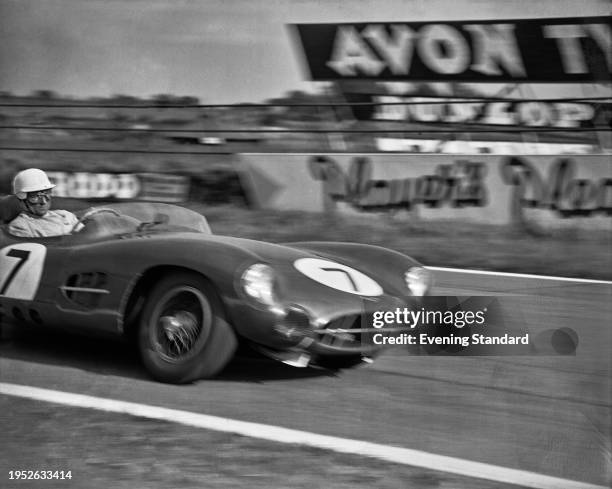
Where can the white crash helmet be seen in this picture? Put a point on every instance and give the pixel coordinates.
(30, 180)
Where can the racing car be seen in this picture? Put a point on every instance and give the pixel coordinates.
(156, 273)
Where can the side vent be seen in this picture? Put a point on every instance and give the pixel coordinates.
(85, 289)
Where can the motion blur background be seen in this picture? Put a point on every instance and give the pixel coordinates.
(498, 125)
(159, 100)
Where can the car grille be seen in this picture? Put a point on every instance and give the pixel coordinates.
(346, 333)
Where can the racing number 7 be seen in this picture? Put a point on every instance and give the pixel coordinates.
(346, 274)
(22, 255)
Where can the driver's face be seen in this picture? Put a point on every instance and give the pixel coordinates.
(39, 203)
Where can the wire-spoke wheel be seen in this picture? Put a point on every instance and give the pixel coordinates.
(183, 318)
(183, 335)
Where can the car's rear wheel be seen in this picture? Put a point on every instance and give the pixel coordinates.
(183, 335)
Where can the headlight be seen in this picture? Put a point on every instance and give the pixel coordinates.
(418, 280)
(258, 281)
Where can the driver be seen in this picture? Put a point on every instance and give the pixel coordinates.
(33, 189)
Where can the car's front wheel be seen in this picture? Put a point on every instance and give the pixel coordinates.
(183, 335)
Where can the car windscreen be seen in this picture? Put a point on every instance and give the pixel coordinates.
(142, 215)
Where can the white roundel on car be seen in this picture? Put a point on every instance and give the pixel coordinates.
(338, 276)
(21, 267)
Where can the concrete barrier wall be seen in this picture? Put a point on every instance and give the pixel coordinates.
(568, 191)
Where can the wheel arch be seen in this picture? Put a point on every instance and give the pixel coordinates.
(208, 354)
(136, 295)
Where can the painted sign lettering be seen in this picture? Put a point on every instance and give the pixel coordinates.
(529, 50)
(95, 185)
(460, 184)
(119, 186)
(525, 114)
(560, 190)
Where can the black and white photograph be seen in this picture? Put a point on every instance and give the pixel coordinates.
(297, 244)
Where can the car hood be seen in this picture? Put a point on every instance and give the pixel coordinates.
(318, 280)
(316, 289)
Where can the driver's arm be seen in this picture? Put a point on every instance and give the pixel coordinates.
(72, 221)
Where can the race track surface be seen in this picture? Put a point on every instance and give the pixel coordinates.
(549, 414)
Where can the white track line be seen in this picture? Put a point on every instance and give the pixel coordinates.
(387, 453)
(521, 275)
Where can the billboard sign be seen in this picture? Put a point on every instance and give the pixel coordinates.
(520, 50)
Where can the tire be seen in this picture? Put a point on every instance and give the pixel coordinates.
(183, 335)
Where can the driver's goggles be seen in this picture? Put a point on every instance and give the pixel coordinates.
(39, 197)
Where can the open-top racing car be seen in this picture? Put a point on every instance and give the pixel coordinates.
(156, 273)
